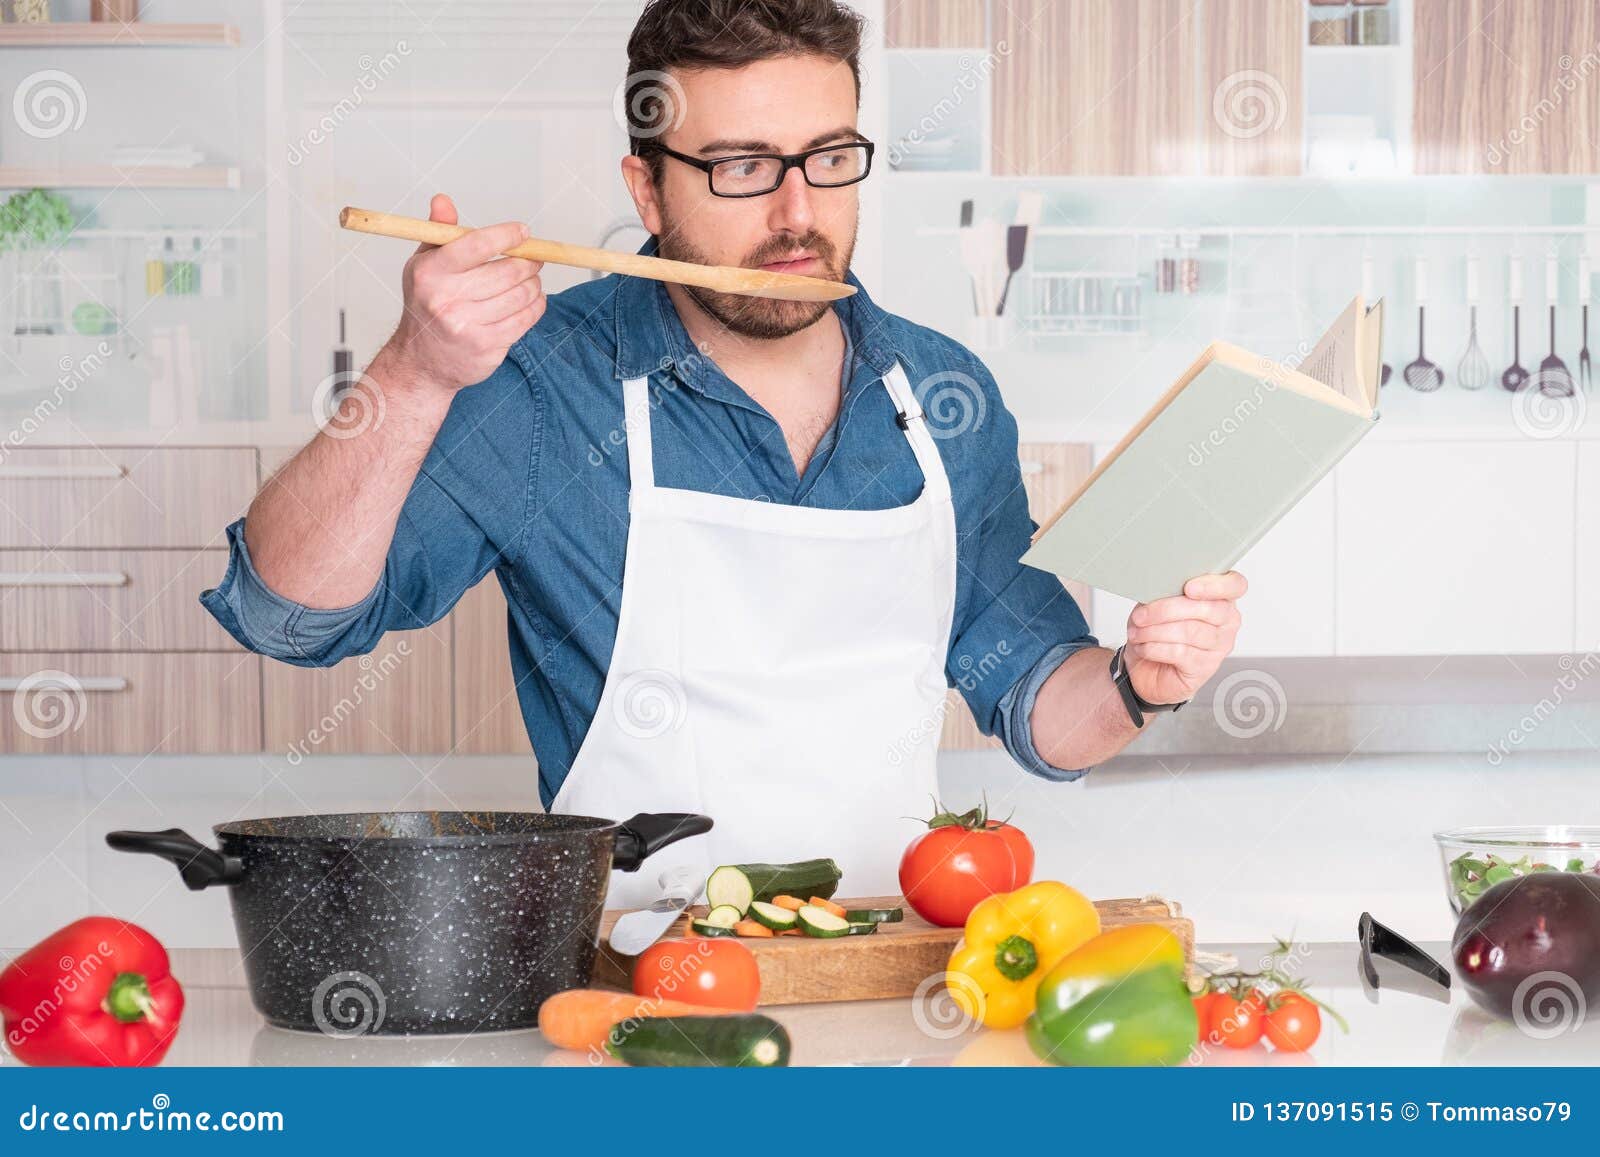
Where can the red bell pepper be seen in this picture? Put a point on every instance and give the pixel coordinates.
(97, 992)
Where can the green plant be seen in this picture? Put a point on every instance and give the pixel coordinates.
(34, 217)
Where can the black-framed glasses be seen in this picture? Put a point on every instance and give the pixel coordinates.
(757, 174)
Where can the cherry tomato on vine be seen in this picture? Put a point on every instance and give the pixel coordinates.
(1292, 1022)
(1238, 1023)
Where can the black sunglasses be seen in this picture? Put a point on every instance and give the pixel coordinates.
(757, 174)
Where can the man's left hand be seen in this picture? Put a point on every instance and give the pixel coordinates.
(1176, 644)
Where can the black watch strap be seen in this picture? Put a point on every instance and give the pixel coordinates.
(1137, 707)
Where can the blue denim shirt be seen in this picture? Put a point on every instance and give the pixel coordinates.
(528, 478)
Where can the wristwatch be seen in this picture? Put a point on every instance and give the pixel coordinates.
(1137, 707)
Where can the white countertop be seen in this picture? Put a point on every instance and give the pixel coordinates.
(1390, 1027)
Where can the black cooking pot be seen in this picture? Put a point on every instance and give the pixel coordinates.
(414, 922)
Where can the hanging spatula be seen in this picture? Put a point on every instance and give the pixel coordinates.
(722, 278)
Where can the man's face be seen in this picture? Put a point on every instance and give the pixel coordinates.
(785, 105)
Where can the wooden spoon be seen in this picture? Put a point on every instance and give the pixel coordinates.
(723, 278)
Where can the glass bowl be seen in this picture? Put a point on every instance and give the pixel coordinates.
(1476, 859)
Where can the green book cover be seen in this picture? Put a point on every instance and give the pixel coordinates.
(1226, 453)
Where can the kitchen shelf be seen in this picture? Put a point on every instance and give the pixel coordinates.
(118, 177)
(111, 34)
(1577, 230)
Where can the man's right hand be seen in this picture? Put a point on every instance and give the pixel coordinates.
(464, 306)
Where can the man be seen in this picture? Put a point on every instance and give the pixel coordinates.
(742, 564)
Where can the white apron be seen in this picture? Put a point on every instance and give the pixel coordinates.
(777, 668)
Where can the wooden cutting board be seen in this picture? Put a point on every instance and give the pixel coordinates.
(890, 963)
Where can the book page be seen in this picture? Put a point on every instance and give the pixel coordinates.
(1336, 361)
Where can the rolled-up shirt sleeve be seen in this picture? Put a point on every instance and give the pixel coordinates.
(1014, 624)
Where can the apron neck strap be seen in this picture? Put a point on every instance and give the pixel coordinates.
(636, 425)
(910, 419)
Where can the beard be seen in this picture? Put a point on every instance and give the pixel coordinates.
(761, 317)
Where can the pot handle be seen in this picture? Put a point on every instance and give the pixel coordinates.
(648, 832)
(199, 865)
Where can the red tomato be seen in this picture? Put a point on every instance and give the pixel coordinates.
(1237, 1023)
(1021, 851)
(1207, 1010)
(1292, 1022)
(717, 973)
(947, 870)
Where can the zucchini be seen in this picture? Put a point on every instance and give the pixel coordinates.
(743, 884)
(724, 915)
(774, 917)
(739, 1040)
(816, 921)
(707, 928)
(863, 928)
(728, 886)
(875, 915)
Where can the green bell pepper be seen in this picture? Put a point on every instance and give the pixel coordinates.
(1119, 999)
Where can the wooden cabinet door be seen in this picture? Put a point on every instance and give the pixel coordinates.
(1456, 548)
(934, 24)
(1050, 473)
(1103, 87)
(394, 701)
(1503, 88)
(488, 719)
(1250, 87)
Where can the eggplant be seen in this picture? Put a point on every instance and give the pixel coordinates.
(1528, 949)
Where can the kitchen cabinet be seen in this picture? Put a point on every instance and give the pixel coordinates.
(1496, 89)
(934, 24)
(488, 719)
(1456, 548)
(63, 703)
(1050, 473)
(129, 496)
(1104, 87)
(109, 600)
(1250, 87)
(396, 700)
(1588, 548)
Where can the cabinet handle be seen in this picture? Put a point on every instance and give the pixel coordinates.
(71, 578)
(1031, 466)
(87, 683)
(62, 473)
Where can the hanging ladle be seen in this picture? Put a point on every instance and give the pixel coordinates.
(1422, 375)
(1515, 377)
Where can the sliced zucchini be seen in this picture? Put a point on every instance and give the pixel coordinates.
(741, 1040)
(816, 921)
(728, 885)
(707, 928)
(875, 915)
(863, 928)
(774, 917)
(725, 915)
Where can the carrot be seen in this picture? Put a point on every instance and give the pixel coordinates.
(582, 1018)
(827, 906)
(793, 903)
(751, 928)
(791, 932)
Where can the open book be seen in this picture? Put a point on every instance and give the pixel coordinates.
(1221, 457)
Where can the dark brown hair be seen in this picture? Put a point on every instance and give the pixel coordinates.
(691, 34)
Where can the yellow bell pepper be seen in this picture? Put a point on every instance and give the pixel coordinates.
(1010, 941)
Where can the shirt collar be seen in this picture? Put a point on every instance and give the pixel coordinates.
(651, 337)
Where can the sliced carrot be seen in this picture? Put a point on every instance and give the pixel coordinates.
(582, 1018)
(827, 906)
(751, 928)
(793, 903)
(791, 932)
